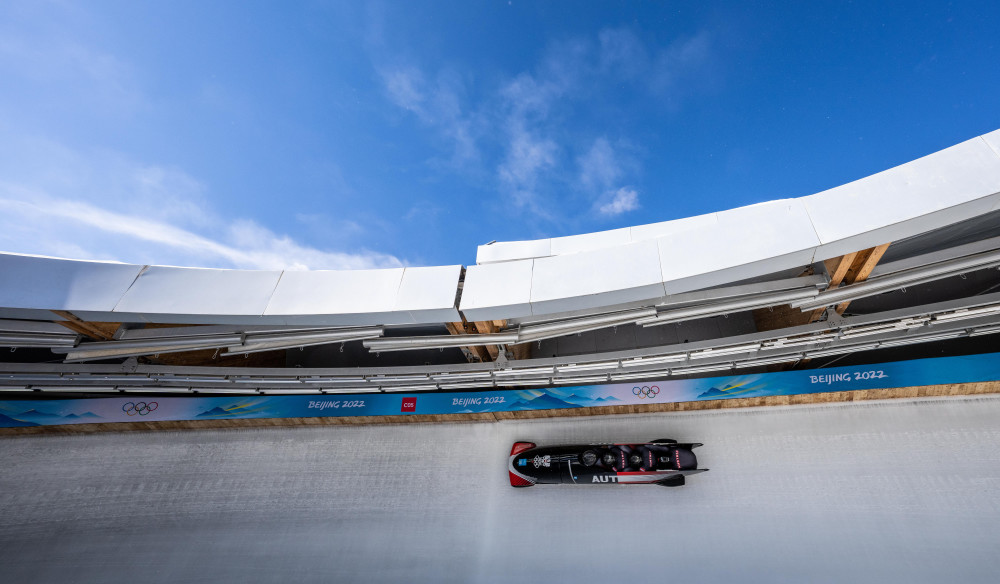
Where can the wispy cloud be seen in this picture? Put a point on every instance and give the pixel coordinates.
(622, 53)
(687, 59)
(527, 157)
(531, 170)
(55, 65)
(405, 87)
(541, 160)
(56, 200)
(621, 201)
(35, 222)
(601, 171)
(437, 104)
(599, 166)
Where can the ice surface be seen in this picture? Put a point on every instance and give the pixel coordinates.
(895, 491)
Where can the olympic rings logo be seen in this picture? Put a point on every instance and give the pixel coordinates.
(139, 408)
(649, 391)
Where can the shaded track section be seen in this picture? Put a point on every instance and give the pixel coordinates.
(901, 490)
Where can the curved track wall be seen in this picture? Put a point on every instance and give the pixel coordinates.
(902, 490)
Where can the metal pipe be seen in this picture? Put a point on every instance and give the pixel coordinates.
(289, 344)
(505, 373)
(701, 297)
(889, 282)
(150, 334)
(526, 334)
(146, 347)
(701, 369)
(533, 336)
(760, 301)
(571, 325)
(82, 355)
(334, 335)
(31, 345)
(8, 339)
(33, 326)
(438, 342)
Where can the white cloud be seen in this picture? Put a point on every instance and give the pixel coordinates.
(405, 88)
(621, 201)
(527, 157)
(49, 64)
(599, 166)
(686, 57)
(622, 53)
(531, 160)
(105, 179)
(176, 195)
(527, 96)
(526, 121)
(437, 104)
(34, 222)
(58, 201)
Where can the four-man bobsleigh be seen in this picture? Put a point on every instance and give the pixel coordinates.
(661, 462)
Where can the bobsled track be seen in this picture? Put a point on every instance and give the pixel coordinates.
(886, 491)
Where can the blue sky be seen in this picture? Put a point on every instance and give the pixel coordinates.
(353, 135)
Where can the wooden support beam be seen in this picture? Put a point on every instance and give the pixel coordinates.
(514, 352)
(846, 269)
(485, 327)
(861, 267)
(838, 268)
(521, 351)
(776, 317)
(99, 331)
(458, 328)
(472, 351)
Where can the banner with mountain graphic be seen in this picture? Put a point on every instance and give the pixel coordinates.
(128, 408)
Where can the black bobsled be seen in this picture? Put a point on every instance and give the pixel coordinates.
(661, 462)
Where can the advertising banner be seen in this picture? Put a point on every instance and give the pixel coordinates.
(128, 408)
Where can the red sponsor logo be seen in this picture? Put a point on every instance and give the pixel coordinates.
(409, 404)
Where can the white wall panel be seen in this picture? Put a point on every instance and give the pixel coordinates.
(785, 266)
(48, 283)
(195, 291)
(930, 192)
(335, 292)
(746, 242)
(675, 227)
(428, 294)
(592, 279)
(497, 291)
(993, 140)
(504, 251)
(590, 241)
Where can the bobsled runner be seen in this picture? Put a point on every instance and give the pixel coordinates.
(661, 462)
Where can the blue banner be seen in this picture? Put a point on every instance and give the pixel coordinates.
(128, 408)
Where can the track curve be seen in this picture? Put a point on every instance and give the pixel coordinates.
(901, 490)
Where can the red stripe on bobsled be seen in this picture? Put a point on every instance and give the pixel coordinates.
(520, 447)
(516, 481)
